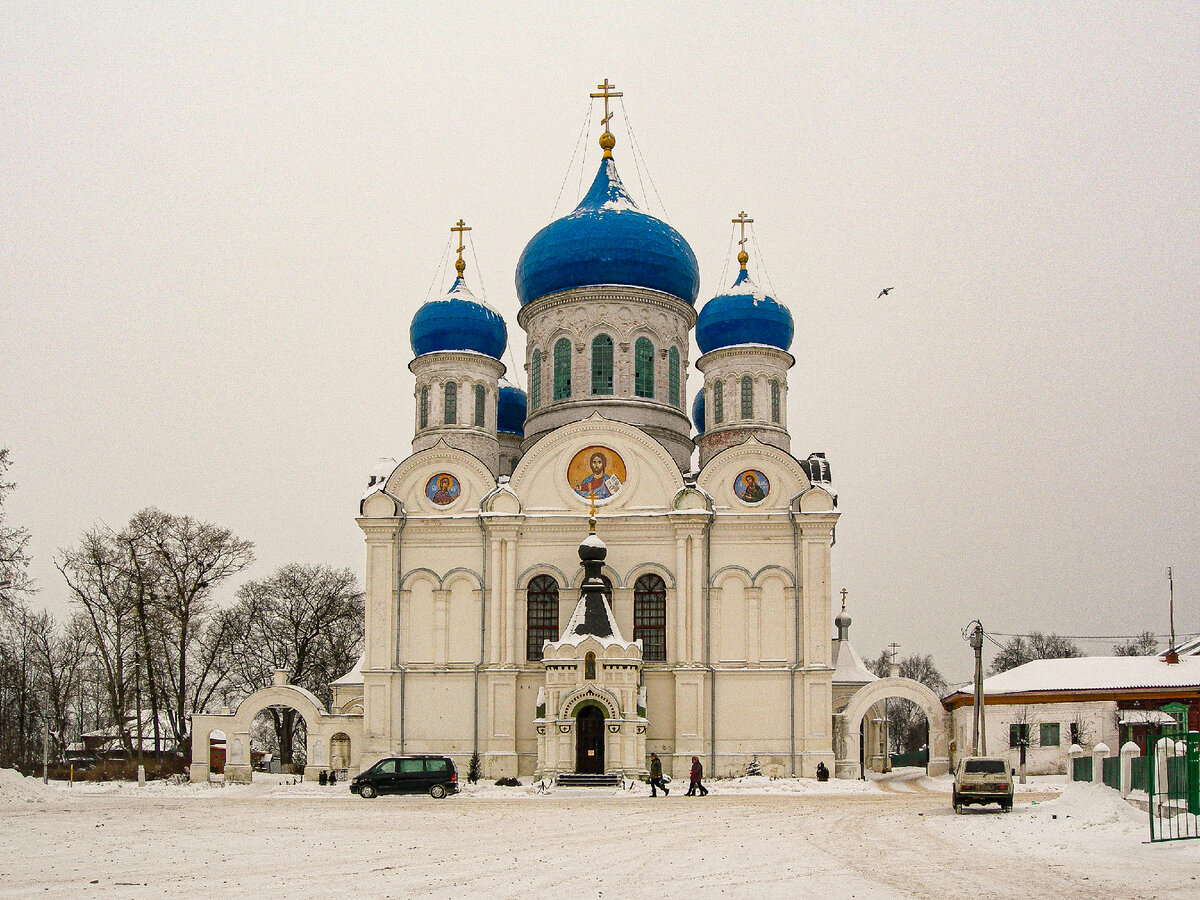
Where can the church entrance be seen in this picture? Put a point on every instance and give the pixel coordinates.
(589, 741)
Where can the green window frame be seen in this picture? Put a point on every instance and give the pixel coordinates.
(425, 406)
(450, 410)
(480, 403)
(535, 380)
(775, 395)
(718, 412)
(643, 368)
(562, 369)
(673, 377)
(602, 364)
(1018, 734)
(1049, 734)
(747, 397)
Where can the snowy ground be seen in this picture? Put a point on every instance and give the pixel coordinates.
(751, 837)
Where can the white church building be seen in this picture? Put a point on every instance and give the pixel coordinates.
(691, 618)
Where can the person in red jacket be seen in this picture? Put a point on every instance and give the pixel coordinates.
(697, 774)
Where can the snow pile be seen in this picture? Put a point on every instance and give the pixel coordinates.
(16, 788)
(1092, 807)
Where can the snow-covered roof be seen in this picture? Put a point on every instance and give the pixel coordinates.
(1146, 717)
(848, 667)
(354, 676)
(1095, 673)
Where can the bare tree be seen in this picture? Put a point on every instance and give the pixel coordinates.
(1021, 649)
(58, 654)
(15, 583)
(1145, 644)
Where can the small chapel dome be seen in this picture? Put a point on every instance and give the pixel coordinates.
(743, 315)
(698, 411)
(842, 621)
(510, 409)
(607, 240)
(458, 322)
(592, 548)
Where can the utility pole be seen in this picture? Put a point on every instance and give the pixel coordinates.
(45, 750)
(978, 726)
(1171, 656)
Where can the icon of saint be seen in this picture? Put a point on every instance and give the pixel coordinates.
(752, 491)
(445, 493)
(600, 482)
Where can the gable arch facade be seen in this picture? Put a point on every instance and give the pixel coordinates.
(321, 728)
(847, 722)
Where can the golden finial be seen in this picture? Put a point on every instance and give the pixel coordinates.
(844, 592)
(592, 512)
(743, 256)
(607, 141)
(461, 265)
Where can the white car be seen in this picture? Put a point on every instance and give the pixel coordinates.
(983, 780)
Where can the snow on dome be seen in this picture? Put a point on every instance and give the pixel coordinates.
(511, 409)
(743, 315)
(607, 240)
(458, 321)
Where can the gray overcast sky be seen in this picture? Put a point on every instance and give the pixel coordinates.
(217, 221)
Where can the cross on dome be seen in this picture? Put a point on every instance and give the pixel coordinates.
(743, 257)
(607, 141)
(460, 266)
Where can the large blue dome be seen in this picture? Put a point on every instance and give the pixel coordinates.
(510, 410)
(698, 411)
(458, 322)
(607, 240)
(743, 315)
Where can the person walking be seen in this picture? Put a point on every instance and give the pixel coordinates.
(697, 774)
(656, 777)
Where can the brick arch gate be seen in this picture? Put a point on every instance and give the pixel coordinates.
(322, 729)
(846, 723)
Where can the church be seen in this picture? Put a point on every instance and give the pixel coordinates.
(691, 617)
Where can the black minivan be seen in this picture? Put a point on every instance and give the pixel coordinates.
(407, 775)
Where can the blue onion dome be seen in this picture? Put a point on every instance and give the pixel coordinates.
(458, 322)
(607, 240)
(743, 315)
(510, 410)
(698, 411)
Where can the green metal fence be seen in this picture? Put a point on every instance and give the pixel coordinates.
(1081, 768)
(1137, 775)
(1111, 772)
(1173, 785)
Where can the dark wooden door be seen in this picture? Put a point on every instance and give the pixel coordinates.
(589, 741)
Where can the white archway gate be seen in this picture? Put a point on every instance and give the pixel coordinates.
(329, 734)
(847, 722)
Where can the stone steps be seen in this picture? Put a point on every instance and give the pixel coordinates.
(576, 780)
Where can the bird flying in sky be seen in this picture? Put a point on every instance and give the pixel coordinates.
(885, 291)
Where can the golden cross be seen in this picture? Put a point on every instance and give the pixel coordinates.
(743, 256)
(592, 513)
(607, 141)
(844, 591)
(460, 227)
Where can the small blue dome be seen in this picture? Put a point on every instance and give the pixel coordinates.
(743, 315)
(698, 411)
(458, 322)
(607, 240)
(510, 410)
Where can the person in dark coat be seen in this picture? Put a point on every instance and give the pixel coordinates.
(656, 777)
(697, 774)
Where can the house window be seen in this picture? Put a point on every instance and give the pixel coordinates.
(1074, 732)
(643, 368)
(451, 416)
(718, 402)
(1049, 734)
(562, 369)
(425, 406)
(479, 400)
(1018, 735)
(673, 377)
(747, 397)
(650, 617)
(775, 400)
(541, 623)
(602, 364)
(535, 380)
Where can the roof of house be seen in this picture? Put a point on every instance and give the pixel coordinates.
(1094, 673)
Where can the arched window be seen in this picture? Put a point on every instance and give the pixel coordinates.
(602, 364)
(643, 368)
(541, 621)
(747, 397)
(425, 406)
(451, 408)
(718, 402)
(650, 617)
(673, 376)
(535, 380)
(479, 402)
(562, 369)
(775, 400)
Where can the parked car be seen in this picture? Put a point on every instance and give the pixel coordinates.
(435, 775)
(983, 780)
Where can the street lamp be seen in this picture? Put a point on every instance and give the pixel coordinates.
(137, 692)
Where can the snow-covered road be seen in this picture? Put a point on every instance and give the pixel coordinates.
(749, 838)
